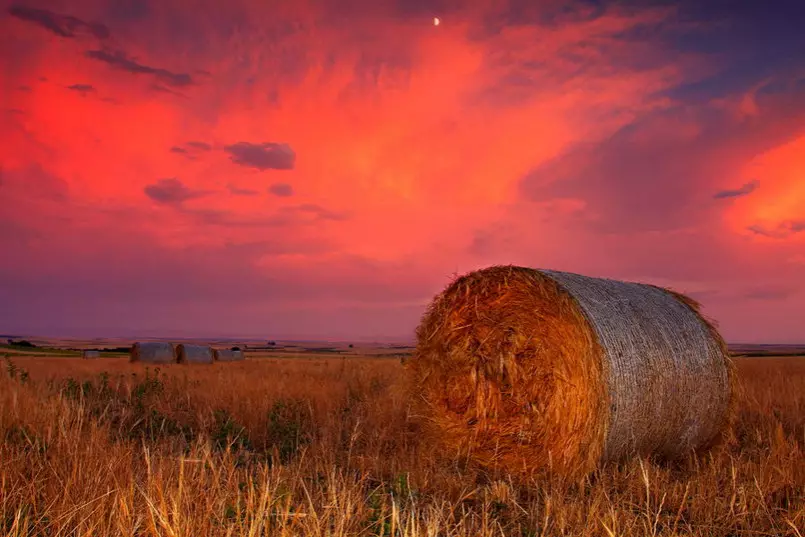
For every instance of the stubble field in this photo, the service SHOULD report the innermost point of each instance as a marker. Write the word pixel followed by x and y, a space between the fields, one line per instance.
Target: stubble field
pixel 327 446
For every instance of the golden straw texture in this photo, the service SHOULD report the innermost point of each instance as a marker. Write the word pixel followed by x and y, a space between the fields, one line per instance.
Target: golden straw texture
pixel 530 370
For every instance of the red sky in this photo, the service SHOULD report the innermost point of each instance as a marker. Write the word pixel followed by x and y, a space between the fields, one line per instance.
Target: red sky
pixel 322 169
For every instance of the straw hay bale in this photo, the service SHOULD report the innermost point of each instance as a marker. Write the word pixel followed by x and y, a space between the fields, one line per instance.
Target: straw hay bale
pixel 153 352
pixel 194 354
pixel 90 354
pixel 530 370
pixel 227 355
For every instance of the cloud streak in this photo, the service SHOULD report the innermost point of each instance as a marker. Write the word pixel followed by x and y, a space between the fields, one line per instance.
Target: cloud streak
pixel 120 60
pixel 82 88
pixel 744 190
pixel 58 24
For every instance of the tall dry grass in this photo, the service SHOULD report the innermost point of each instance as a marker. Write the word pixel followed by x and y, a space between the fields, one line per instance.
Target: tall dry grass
pixel 327 447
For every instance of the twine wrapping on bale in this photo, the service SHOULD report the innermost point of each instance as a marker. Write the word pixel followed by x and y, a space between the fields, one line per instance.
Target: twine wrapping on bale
pixel 153 352
pixel 194 354
pixel 90 355
pixel 227 355
pixel 530 370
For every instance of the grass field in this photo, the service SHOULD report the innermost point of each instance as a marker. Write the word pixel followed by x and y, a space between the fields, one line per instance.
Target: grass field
pixel 326 446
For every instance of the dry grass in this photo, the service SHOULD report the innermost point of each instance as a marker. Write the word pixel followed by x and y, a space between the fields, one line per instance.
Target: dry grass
pixel 326 447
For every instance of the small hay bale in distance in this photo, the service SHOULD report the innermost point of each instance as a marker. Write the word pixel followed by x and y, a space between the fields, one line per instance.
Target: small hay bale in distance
pixel 193 354
pixel 531 370
pixel 153 352
pixel 90 354
pixel 227 355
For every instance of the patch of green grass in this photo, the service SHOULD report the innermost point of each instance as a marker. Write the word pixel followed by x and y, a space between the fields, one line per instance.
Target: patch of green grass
pixel 39 350
pixel 290 427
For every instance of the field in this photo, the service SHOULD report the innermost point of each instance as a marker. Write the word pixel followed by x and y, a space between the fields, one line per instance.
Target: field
pixel 294 443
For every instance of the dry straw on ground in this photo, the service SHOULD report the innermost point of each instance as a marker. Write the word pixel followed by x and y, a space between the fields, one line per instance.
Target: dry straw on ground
pixel 194 354
pixel 90 355
pixel 530 370
pixel 227 355
pixel 155 352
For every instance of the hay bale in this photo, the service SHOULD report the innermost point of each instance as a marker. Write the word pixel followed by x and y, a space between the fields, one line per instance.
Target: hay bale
pixel 530 370
pixel 194 354
pixel 153 352
pixel 227 355
pixel 90 354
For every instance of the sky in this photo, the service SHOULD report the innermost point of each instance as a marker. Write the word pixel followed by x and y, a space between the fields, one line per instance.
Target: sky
pixel 322 169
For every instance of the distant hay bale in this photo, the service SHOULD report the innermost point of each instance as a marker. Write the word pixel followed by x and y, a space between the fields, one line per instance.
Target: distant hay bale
pixel 153 352
pixel 90 355
pixel 532 370
pixel 194 354
pixel 227 355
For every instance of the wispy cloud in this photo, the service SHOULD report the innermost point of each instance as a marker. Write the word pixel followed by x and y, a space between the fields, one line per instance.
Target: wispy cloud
pixel 782 230
pixel 83 89
pixel 61 25
pixel 120 60
pixel 744 190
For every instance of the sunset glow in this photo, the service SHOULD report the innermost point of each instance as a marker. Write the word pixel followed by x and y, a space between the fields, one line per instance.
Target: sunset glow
pixel 321 169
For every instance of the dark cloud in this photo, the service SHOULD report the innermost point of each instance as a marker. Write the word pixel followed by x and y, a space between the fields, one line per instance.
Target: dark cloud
pixel 180 150
pixel 282 190
pixel 745 190
pixel 241 191
pixel 265 156
pixel 781 231
pixel 171 192
pixel 25 88
pixel 61 25
pixel 119 60
pixel 82 88
pixel 201 146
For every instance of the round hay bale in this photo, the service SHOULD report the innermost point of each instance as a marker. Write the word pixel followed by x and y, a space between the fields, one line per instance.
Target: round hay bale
pixel 90 354
pixel 227 355
pixel 530 370
pixel 194 354
pixel 153 352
